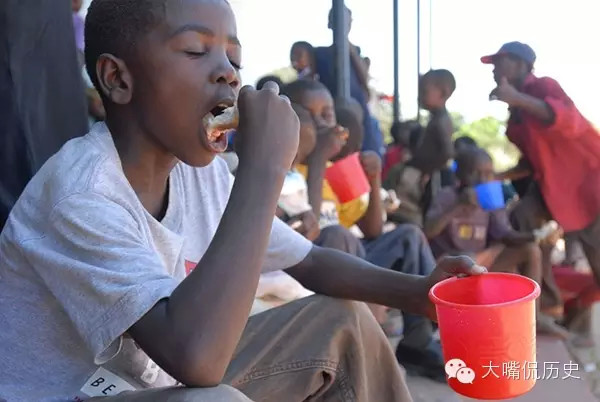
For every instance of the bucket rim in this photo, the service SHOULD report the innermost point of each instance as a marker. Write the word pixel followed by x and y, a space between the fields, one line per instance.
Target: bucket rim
pixel 440 302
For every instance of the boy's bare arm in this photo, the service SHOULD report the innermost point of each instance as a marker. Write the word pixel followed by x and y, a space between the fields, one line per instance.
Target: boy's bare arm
pixel 193 334
pixel 522 170
pixel 329 143
pixel 316 163
pixel 337 274
pixel 434 225
pixel 515 238
pixel 371 224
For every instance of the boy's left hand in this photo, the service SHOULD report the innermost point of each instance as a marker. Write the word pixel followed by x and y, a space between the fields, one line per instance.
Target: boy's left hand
pixel 448 267
pixel 371 163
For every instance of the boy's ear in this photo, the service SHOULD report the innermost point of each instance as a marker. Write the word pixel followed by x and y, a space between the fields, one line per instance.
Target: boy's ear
pixel 114 78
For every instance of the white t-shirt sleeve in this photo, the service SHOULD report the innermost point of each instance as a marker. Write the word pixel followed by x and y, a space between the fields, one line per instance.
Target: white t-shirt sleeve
pixel 95 261
pixel 286 248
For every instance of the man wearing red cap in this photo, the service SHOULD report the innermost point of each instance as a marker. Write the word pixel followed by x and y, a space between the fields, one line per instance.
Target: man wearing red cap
pixel 560 148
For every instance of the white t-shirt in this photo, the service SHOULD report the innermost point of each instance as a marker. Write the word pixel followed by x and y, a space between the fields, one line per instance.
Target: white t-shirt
pixel 81 261
pixel 294 194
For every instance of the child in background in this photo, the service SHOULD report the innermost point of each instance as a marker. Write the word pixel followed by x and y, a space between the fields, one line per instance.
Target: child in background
pixel 293 206
pixel 456 224
pixel 396 153
pixel 403 249
pixel 433 151
pixel 302 57
pixel 275 288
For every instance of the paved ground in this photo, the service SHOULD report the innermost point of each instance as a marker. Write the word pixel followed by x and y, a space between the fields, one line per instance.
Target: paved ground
pixel 549 350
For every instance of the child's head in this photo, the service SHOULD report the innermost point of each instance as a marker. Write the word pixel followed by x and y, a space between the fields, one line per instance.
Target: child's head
pixel 308 134
pixel 315 97
pixel 474 166
pixel 462 143
pixel 76 5
pixel 346 117
pixel 261 82
pixel 161 68
pixel 435 88
pixel 402 132
pixel 348 15
pixel 302 56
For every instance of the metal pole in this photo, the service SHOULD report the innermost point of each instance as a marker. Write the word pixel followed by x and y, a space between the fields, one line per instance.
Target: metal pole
pixel 430 34
pixel 342 52
pixel 396 65
pixel 418 55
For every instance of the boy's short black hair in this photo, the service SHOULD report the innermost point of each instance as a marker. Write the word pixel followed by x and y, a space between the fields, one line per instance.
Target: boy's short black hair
pixel 114 27
pixel 467 159
pixel 441 78
pixel 261 82
pixel 465 141
pixel 303 114
pixel 406 133
pixel 303 45
pixel 296 89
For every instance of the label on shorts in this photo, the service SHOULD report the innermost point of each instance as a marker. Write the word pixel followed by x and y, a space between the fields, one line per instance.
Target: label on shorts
pixel 105 383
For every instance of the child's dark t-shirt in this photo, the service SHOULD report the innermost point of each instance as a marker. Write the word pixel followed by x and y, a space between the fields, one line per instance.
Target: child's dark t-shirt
pixel 470 231
pixel 435 148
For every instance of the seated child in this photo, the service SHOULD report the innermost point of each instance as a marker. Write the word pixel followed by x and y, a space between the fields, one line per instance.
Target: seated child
pixel 275 288
pixel 456 224
pixel 433 151
pixel 293 205
pixel 302 57
pixel 404 249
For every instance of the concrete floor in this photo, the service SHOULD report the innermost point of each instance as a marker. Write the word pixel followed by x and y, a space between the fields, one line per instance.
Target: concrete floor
pixel 587 389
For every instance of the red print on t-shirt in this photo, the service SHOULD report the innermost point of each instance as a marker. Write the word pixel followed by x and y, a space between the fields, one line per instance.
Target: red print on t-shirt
pixel 189 267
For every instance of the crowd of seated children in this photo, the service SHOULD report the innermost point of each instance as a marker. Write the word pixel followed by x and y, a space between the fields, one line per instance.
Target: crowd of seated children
pixel 403 249
pixel 433 151
pixel 457 224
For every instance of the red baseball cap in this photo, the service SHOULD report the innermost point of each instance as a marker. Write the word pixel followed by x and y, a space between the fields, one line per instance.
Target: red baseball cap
pixel 521 50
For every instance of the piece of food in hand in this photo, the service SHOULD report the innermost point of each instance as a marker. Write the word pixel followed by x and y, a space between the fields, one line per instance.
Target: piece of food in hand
pixel 545 231
pixel 218 122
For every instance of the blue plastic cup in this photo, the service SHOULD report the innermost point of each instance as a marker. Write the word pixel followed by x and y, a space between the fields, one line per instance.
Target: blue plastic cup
pixel 490 195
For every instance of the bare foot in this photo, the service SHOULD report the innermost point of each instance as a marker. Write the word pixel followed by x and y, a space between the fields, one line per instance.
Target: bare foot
pixel 546 325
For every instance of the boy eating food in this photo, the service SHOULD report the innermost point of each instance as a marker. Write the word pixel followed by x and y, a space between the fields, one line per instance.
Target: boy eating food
pixel 132 258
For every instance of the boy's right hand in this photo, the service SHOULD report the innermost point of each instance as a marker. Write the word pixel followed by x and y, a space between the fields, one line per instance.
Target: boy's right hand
pixel 307 225
pixel 331 141
pixel 269 128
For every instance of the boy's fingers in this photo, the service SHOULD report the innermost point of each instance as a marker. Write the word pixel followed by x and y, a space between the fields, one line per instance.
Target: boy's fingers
pixel 460 265
pixel 285 98
pixel 271 86
pixel 246 89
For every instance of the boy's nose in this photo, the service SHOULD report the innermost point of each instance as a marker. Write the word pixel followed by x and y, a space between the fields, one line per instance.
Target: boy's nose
pixel 226 73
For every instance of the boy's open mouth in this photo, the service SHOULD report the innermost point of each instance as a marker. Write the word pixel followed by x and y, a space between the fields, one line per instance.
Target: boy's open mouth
pixel 217 123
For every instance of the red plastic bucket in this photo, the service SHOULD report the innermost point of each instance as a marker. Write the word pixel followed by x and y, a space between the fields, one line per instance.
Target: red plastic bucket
pixel 347 178
pixel 487 331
